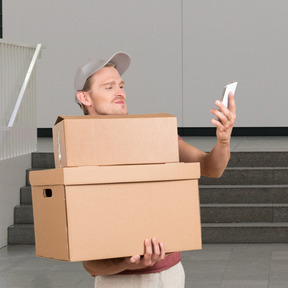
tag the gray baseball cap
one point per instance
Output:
(121, 61)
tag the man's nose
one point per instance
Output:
(121, 92)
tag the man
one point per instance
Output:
(100, 91)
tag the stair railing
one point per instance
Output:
(18, 121)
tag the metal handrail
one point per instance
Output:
(24, 86)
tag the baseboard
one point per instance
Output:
(205, 131)
(44, 132)
(237, 131)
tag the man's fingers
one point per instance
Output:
(218, 124)
(148, 251)
(232, 105)
(135, 259)
(220, 115)
(154, 252)
(156, 248)
(162, 256)
(225, 117)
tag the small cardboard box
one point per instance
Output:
(131, 139)
(85, 213)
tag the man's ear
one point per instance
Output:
(84, 98)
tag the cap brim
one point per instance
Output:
(121, 61)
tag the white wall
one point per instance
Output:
(183, 53)
(240, 40)
(12, 177)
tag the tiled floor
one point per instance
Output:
(215, 266)
(237, 266)
(19, 267)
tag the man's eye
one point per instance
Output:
(109, 87)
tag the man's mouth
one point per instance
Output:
(119, 102)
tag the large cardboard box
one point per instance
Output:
(85, 213)
(115, 140)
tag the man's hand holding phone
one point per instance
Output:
(226, 114)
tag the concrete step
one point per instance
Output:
(43, 160)
(210, 213)
(244, 233)
(218, 194)
(258, 159)
(26, 195)
(238, 159)
(250, 176)
(21, 234)
(23, 214)
(244, 213)
(235, 176)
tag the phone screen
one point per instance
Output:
(227, 89)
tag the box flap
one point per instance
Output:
(71, 117)
(36, 178)
(115, 174)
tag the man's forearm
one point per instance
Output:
(104, 267)
(215, 162)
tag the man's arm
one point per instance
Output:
(154, 252)
(214, 163)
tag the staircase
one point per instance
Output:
(248, 204)
(22, 232)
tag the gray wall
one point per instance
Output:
(183, 53)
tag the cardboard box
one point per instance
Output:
(132, 139)
(85, 213)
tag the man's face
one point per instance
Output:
(107, 93)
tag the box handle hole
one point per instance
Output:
(47, 193)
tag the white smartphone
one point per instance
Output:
(227, 89)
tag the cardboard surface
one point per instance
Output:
(97, 220)
(115, 174)
(131, 139)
